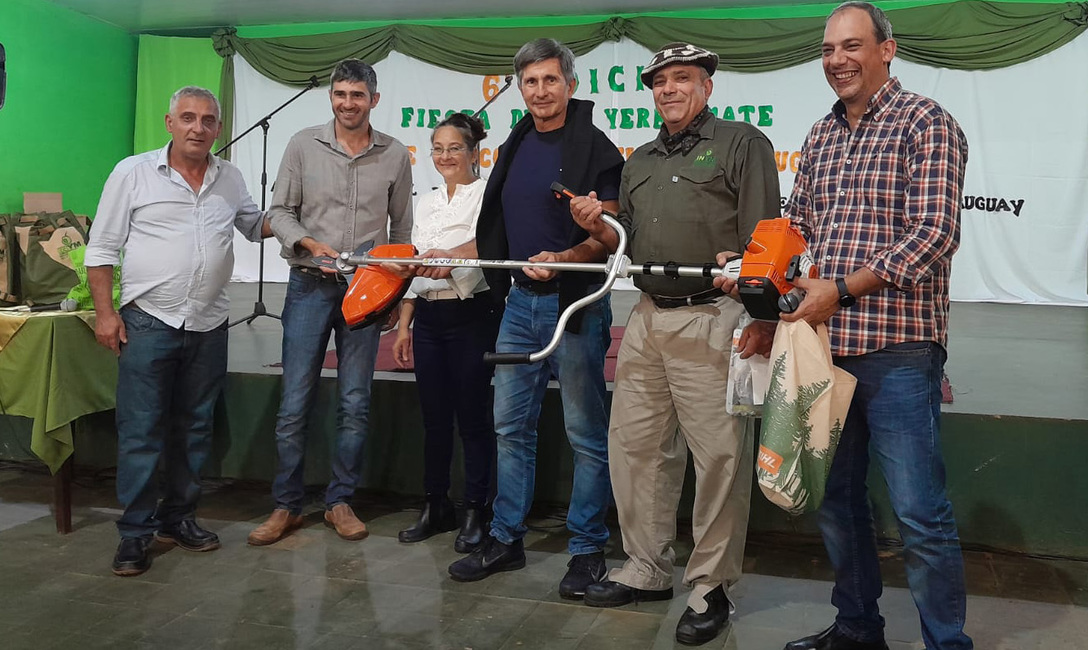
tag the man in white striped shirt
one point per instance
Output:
(167, 217)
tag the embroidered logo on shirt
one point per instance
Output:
(705, 159)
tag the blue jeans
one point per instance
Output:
(895, 415)
(527, 325)
(167, 383)
(310, 313)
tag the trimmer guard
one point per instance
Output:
(374, 292)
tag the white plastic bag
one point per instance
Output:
(748, 378)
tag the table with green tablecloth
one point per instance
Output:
(53, 371)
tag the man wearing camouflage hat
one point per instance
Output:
(698, 188)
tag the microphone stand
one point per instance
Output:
(506, 86)
(258, 307)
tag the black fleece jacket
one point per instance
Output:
(587, 154)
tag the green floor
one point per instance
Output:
(314, 590)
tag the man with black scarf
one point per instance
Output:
(521, 219)
(698, 188)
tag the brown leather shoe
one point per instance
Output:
(347, 525)
(281, 524)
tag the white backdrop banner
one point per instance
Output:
(1025, 206)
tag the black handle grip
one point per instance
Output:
(561, 190)
(325, 262)
(506, 358)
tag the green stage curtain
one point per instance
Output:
(968, 35)
(985, 35)
(743, 45)
(961, 35)
(164, 65)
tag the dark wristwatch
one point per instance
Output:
(845, 298)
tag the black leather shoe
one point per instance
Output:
(132, 557)
(188, 536)
(473, 529)
(582, 571)
(615, 594)
(437, 516)
(697, 629)
(490, 558)
(833, 639)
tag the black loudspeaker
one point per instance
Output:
(3, 76)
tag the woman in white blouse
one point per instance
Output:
(454, 321)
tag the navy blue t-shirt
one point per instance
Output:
(535, 220)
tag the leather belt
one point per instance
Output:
(321, 275)
(702, 298)
(539, 288)
(439, 294)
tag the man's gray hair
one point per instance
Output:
(882, 27)
(355, 71)
(543, 49)
(194, 91)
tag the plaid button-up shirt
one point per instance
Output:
(885, 197)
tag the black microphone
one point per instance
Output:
(68, 304)
(3, 75)
(314, 83)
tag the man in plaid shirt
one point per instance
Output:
(877, 194)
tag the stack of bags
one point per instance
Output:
(41, 256)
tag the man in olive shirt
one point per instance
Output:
(698, 188)
(339, 185)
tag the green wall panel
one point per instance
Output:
(68, 117)
(166, 64)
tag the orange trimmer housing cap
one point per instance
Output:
(374, 292)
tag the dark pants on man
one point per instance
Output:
(167, 383)
(311, 314)
(895, 416)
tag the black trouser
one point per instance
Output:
(449, 338)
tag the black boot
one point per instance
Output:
(437, 516)
(189, 536)
(615, 594)
(132, 557)
(697, 629)
(473, 528)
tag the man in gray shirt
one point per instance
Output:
(339, 185)
(171, 212)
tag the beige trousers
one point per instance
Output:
(669, 397)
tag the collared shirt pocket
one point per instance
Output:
(697, 193)
(885, 161)
(636, 182)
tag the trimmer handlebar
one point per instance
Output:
(618, 265)
(507, 358)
